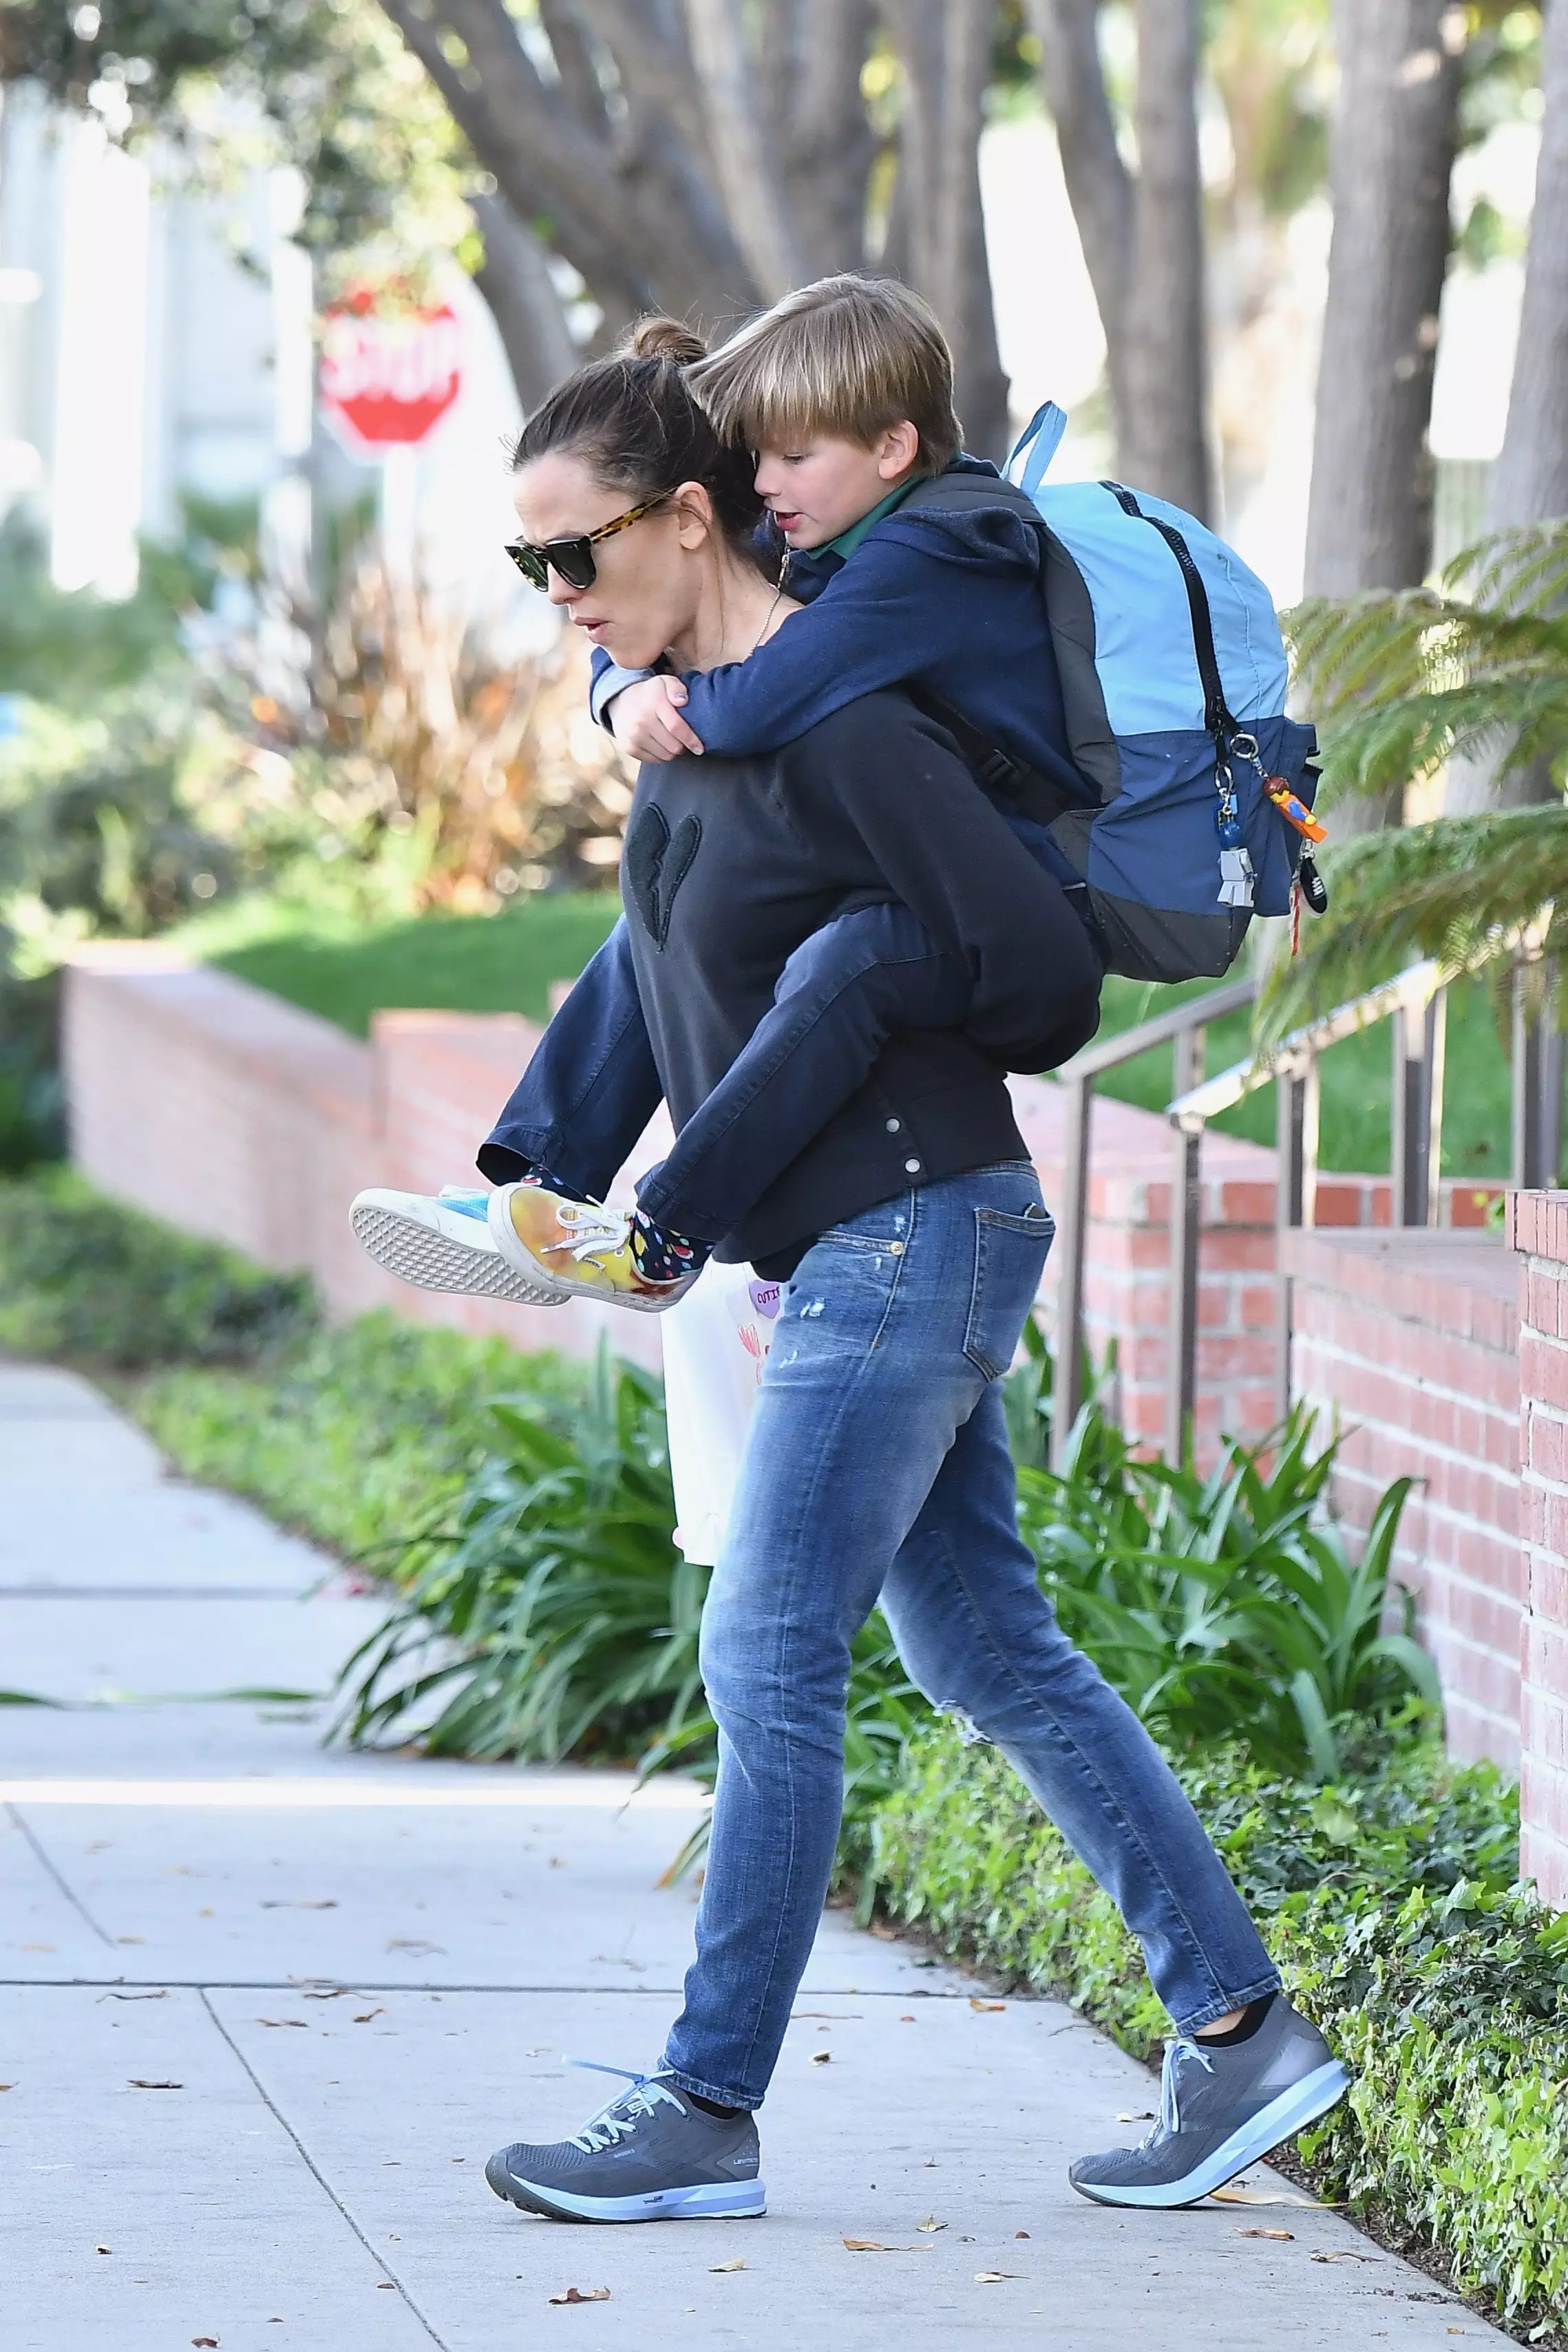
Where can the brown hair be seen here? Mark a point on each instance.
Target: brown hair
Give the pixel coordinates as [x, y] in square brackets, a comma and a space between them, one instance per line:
[634, 420]
[849, 356]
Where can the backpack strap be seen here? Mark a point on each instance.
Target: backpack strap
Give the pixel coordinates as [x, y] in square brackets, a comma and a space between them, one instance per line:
[1217, 714]
[1032, 795]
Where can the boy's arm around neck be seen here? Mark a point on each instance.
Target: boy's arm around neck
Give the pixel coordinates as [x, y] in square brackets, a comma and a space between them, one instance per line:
[895, 609]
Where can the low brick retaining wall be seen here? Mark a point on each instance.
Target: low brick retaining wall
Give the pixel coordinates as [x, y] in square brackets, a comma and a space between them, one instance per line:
[236, 1115]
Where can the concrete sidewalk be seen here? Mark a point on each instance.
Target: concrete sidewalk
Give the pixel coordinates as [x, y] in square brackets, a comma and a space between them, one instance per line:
[242, 1912]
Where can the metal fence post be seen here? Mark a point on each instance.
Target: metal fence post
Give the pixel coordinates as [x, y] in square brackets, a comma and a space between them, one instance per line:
[1420, 1036]
[1182, 1339]
[1296, 1114]
[1538, 1074]
[1071, 1227]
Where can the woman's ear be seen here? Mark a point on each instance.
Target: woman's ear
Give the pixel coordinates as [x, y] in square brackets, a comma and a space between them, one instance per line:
[693, 514]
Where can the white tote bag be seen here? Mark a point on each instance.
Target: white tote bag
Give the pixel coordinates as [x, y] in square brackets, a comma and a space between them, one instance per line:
[715, 1345]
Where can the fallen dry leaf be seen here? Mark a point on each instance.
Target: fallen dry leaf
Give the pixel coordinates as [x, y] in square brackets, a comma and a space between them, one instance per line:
[1268, 2197]
[289, 1903]
[820, 2057]
[931, 2222]
[7, 2086]
[1135, 2115]
[908, 2017]
[875, 2246]
[365, 2018]
[103, 2249]
[735, 2262]
[985, 2004]
[1343, 2254]
[1287, 2234]
[138, 2082]
[160, 1995]
[1020, 2234]
[210, 2342]
[283, 2020]
[580, 2294]
[991, 2278]
[884, 1935]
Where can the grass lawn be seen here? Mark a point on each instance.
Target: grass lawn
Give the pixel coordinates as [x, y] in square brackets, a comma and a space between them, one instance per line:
[504, 963]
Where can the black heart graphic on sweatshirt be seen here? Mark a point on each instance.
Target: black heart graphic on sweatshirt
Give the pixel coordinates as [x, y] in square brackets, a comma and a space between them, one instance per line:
[657, 862]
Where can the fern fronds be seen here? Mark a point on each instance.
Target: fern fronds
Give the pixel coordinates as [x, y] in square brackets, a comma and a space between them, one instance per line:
[1454, 888]
[1400, 682]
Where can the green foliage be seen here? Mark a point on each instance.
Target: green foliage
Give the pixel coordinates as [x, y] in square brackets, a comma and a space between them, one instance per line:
[357, 1433]
[1388, 1903]
[1226, 1607]
[1399, 684]
[549, 1610]
[83, 1277]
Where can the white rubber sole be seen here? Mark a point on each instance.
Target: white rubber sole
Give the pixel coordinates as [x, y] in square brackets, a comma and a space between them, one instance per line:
[713, 2202]
[1282, 2119]
[422, 1243]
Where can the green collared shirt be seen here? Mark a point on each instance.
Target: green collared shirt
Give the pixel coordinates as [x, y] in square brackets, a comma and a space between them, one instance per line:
[848, 540]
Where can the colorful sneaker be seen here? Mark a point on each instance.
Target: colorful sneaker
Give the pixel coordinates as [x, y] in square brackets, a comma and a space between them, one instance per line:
[1220, 2110]
[444, 1243]
[652, 2155]
[581, 1250]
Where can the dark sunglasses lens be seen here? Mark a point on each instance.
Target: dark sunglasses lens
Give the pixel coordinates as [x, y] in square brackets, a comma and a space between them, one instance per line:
[529, 562]
[573, 560]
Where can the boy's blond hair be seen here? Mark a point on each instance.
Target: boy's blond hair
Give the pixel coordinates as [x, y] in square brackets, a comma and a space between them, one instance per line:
[849, 356]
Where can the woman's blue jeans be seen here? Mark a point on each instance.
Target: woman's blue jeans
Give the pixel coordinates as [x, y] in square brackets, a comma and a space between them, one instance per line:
[878, 1469]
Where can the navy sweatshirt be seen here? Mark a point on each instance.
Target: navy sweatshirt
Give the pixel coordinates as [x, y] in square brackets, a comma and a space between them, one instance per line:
[948, 602]
[731, 863]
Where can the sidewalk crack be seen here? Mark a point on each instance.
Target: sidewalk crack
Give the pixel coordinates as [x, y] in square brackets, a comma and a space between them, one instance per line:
[314, 2169]
[42, 1858]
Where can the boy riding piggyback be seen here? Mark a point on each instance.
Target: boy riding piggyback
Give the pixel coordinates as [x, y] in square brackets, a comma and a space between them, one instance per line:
[915, 566]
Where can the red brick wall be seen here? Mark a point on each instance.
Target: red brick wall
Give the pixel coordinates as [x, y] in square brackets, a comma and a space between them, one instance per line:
[1409, 1339]
[1540, 1234]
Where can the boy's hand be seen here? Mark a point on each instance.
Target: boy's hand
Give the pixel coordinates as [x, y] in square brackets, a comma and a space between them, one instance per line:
[646, 719]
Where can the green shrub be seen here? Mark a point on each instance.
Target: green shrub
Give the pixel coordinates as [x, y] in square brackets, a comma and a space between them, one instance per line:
[1226, 1607]
[1388, 1903]
[551, 1612]
[358, 1434]
[84, 1276]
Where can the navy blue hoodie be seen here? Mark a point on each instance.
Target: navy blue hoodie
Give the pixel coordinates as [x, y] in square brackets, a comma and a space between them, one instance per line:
[950, 603]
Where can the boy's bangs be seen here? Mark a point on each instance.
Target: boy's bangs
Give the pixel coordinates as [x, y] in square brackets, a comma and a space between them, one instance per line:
[783, 392]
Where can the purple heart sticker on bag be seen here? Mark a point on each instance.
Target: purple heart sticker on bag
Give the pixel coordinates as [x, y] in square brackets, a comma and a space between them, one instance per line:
[765, 1298]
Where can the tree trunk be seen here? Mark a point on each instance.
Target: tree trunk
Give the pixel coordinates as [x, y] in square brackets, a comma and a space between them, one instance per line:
[1390, 157]
[1165, 434]
[811, 59]
[944, 47]
[739, 133]
[1529, 481]
[1143, 234]
[515, 281]
[1098, 184]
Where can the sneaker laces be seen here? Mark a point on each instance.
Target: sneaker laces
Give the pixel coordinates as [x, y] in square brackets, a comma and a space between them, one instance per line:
[588, 1229]
[1184, 2046]
[620, 2117]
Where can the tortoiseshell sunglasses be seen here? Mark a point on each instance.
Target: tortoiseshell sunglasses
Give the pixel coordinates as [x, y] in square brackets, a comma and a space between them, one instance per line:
[573, 558]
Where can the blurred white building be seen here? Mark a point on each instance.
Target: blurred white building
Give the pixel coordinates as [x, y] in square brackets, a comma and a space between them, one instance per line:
[156, 343]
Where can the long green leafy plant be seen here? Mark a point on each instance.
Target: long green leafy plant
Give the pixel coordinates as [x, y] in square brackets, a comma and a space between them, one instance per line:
[1227, 1606]
[1400, 683]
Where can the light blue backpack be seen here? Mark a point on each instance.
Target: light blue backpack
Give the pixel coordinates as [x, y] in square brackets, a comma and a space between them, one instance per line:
[1174, 678]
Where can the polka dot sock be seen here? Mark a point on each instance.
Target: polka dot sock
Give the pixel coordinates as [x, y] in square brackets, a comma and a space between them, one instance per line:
[660, 1255]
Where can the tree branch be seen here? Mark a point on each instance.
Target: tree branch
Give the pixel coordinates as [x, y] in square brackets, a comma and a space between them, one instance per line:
[1098, 184]
[515, 281]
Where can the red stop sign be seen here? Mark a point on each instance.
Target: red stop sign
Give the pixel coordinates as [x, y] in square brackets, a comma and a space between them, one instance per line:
[385, 381]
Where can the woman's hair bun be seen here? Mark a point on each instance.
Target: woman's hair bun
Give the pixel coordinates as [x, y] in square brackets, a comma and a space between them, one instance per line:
[666, 338]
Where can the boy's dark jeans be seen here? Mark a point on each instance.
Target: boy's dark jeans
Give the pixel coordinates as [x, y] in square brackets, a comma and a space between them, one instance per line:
[591, 1087]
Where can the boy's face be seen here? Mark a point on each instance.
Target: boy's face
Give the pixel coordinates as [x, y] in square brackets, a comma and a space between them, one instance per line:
[819, 487]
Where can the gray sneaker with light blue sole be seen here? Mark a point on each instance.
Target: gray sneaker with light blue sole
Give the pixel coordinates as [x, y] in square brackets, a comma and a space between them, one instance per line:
[1220, 2110]
[652, 2155]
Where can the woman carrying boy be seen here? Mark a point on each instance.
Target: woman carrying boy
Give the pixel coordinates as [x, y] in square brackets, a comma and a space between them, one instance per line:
[906, 1221]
